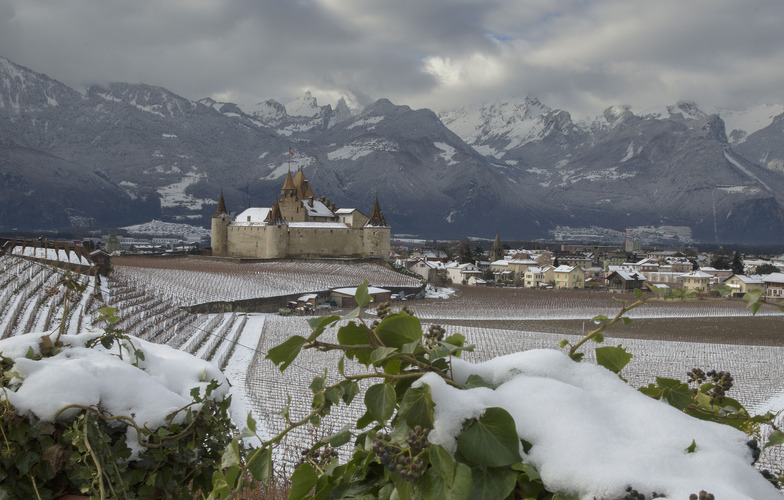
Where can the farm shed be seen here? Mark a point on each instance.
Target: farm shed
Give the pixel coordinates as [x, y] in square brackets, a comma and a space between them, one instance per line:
[307, 299]
[344, 297]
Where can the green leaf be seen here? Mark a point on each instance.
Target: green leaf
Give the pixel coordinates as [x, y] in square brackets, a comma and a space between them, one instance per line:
[231, 455]
[319, 324]
[563, 343]
[598, 337]
[442, 462]
[361, 296]
[455, 339]
[491, 483]
[340, 438]
[692, 447]
[353, 334]
[491, 440]
[302, 481]
[637, 293]
[260, 464]
[285, 353]
[613, 358]
[318, 384]
[417, 407]
[380, 401]
[350, 389]
[381, 354]
[398, 329]
[674, 392]
[626, 320]
[475, 380]
[459, 489]
[775, 438]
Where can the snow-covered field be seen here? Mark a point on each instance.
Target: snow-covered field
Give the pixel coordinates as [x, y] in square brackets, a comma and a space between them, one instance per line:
[193, 281]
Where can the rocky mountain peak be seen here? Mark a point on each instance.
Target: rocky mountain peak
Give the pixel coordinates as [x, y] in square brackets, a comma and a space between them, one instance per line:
[305, 106]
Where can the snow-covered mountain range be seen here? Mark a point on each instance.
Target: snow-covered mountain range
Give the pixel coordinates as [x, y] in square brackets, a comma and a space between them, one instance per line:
[127, 153]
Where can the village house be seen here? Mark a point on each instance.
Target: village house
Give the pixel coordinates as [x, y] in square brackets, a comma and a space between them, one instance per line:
[432, 271]
[538, 277]
[774, 285]
[517, 267]
[624, 280]
[742, 284]
[569, 277]
[719, 274]
[696, 280]
[459, 273]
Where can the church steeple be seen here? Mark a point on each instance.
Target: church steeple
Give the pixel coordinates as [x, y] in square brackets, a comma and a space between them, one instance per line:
[221, 207]
[497, 250]
[376, 217]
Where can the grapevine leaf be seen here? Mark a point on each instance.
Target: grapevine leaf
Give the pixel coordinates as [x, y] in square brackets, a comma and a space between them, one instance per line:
[613, 358]
[491, 440]
[380, 401]
[285, 353]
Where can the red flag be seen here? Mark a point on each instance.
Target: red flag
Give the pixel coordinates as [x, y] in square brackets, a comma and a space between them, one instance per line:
[291, 152]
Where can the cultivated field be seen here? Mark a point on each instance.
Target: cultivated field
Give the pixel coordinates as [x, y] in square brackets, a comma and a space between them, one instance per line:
[190, 281]
[667, 339]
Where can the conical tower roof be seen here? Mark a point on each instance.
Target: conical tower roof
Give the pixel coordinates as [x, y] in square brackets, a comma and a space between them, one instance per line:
[376, 217]
[275, 218]
[288, 185]
[221, 207]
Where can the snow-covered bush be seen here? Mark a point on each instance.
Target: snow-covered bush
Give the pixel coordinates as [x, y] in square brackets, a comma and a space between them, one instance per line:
[536, 424]
[109, 415]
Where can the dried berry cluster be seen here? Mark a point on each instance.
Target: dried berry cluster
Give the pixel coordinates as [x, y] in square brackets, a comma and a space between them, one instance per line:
[405, 459]
[632, 494]
[383, 310]
[434, 334]
[722, 382]
[704, 495]
[319, 459]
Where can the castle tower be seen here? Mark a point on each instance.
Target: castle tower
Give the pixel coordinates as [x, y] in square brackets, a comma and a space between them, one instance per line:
[288, 190]
[219, 230]
[376, 234]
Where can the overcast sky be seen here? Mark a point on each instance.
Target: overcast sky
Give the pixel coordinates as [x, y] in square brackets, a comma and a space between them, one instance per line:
[578, 55]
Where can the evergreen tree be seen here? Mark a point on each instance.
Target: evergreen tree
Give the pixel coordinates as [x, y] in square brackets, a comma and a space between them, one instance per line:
[737, 263]
[763, 269]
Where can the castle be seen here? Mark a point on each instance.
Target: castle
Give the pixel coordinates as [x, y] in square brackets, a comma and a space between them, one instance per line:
[299, 225]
